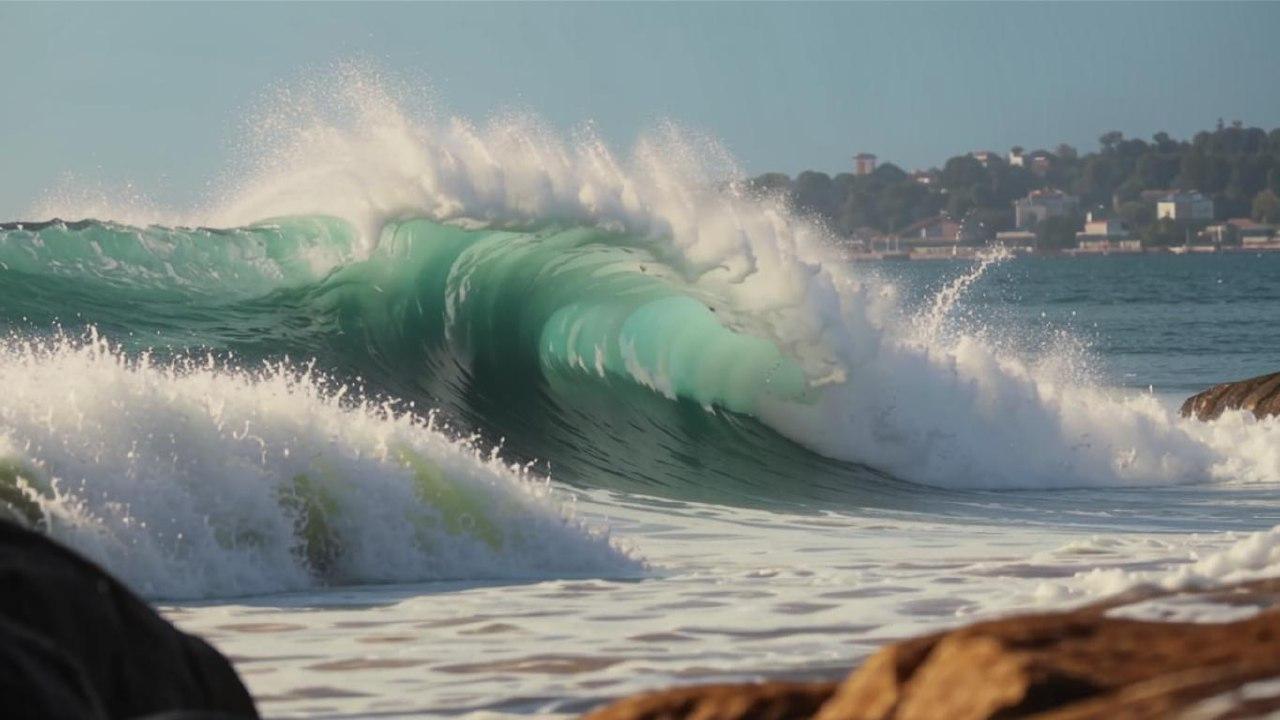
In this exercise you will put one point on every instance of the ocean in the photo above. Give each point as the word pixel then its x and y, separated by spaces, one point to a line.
pixel 420 418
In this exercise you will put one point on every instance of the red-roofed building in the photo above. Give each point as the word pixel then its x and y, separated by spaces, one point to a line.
pixel 931 232
pixel 1237 231
pixel 864 164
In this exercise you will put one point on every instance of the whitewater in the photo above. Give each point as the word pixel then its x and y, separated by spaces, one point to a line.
pixel 420 416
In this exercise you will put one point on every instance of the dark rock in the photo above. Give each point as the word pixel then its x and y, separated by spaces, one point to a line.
pixel 75 643
pixel 1071 665
pixel 37 680
pixel 1259 395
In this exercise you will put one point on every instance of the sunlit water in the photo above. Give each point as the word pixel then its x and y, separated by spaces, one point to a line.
pixel 735 593
pixel 420 417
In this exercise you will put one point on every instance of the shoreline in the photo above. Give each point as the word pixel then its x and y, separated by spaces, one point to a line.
pixel 967 252
pixel 1130 655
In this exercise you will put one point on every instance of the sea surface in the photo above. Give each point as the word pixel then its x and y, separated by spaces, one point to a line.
pixel 428 419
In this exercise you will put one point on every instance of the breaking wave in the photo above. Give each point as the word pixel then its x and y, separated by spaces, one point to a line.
pixel 639 321
pixel 191 480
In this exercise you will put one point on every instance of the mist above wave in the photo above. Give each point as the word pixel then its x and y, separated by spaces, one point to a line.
pixel 900 389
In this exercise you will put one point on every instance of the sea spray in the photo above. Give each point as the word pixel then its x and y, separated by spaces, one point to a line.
pixel 929 323
pixel 940 408
pixel 190 480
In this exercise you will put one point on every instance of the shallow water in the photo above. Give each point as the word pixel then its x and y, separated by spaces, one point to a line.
pixel 732 594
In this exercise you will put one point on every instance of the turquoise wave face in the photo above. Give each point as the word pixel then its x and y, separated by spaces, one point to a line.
pixel 165 288
pixel 573 346
pixel 577 302
pixel 192 261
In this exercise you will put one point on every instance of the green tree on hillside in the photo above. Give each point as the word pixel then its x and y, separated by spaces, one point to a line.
pixel 1232 164
pixel 1136 214
pixel 1266 207
pixel 1165 233
pixel 1057 232
pixel 813 192
pixel 1109 140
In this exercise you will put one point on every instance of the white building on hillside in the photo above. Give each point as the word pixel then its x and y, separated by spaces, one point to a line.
pixel 1106 236
pixel 1185 206
pixel 984 156
pixel 1039 205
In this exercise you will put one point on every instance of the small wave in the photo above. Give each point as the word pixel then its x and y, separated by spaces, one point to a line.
pixel 226 263
pixel 189 480
pixel 1251 557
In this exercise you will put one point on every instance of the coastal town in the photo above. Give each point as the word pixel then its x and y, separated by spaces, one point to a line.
pixel 942 237
pixel 1217 193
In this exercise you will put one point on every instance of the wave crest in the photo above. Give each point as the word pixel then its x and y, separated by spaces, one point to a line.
pixel 190 480
pixel 919 399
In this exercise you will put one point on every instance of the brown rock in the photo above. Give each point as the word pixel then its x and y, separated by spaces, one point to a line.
pixel 1259 395
pixel 748 701
pixel 1077 665
pixel 1060 666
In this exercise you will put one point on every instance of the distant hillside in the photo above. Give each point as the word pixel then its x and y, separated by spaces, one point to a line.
pixel 1238 167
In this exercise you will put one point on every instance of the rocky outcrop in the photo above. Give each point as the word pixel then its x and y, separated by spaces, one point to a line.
pixel 75 643
pixel 1088 663
pixel 1259 395
pixel 757 701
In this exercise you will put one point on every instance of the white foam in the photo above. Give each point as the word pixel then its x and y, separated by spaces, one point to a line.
pixel 172 477
pixel 1254 556
pixel 914 397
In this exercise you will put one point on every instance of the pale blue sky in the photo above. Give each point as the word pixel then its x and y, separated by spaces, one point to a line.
pixel 153 94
